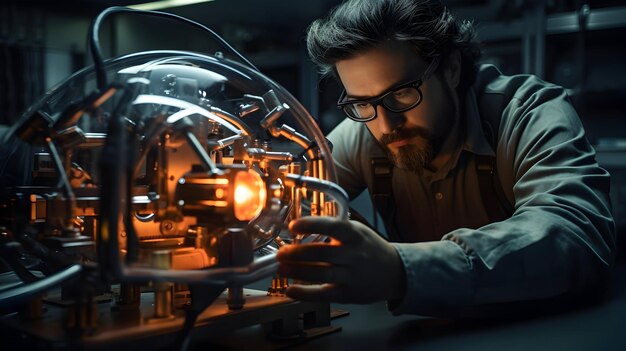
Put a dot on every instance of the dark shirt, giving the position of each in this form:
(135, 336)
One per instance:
(561, 236)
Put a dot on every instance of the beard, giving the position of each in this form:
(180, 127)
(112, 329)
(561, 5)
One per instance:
(415, 156)
(424, 144)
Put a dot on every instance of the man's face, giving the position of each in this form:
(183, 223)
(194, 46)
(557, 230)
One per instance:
(412, 138)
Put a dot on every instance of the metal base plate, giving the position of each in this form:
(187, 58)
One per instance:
(280, 321)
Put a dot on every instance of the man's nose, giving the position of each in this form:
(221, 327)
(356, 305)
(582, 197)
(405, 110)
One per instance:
(388, 121)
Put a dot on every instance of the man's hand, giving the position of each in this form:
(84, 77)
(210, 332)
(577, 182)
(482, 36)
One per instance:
(358, 267)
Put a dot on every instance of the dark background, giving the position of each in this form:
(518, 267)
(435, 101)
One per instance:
(575, 43)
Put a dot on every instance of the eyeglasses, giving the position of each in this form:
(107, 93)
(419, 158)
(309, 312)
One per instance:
(398, 99)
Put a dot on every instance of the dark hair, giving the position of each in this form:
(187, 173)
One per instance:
(358, 25)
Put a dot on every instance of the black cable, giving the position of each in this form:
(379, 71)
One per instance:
(116, 188)
(52, 259)
(184, 336)
(15, 296)
(113, 198)
(201, 297)
(96, 52)
(9, 254)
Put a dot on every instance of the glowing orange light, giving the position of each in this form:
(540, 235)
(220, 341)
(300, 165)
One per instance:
(219, 193)
(243, 194)
(249, 195)
(278, 193)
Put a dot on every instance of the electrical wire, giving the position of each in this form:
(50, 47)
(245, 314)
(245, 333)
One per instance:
(96, 52)
(9, 254)
(15, 296)
(184, 335)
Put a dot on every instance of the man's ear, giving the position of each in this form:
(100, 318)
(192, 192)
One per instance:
(453, 69)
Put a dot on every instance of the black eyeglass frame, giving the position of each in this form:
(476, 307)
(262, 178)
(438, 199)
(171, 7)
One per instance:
(379, 100)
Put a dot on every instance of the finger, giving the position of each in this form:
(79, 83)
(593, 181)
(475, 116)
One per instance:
(314, 253)
(342, 230)
(313, 272)
(323, 292)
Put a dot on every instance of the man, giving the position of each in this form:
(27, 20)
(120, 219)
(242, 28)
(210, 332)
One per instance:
(413, 94)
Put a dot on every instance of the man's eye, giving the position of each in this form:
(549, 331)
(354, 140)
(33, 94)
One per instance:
(400, 93)
(362, 106)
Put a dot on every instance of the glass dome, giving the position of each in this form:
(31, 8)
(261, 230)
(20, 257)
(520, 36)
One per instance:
(205, 144)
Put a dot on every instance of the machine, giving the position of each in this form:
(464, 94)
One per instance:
(143, 193)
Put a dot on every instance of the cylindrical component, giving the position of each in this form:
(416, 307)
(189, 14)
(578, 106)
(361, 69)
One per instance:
(279, 286)
(82, 316)
(236, 250)
(317, 197)
(295, 168)
(163, 291)
(161, 259)
(129, 298)
(163, 302)
(330, 209)
(235, 298)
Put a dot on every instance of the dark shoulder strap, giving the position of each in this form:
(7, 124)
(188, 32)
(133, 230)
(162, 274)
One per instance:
(491, 107)
(497, 205)
(381, 193)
